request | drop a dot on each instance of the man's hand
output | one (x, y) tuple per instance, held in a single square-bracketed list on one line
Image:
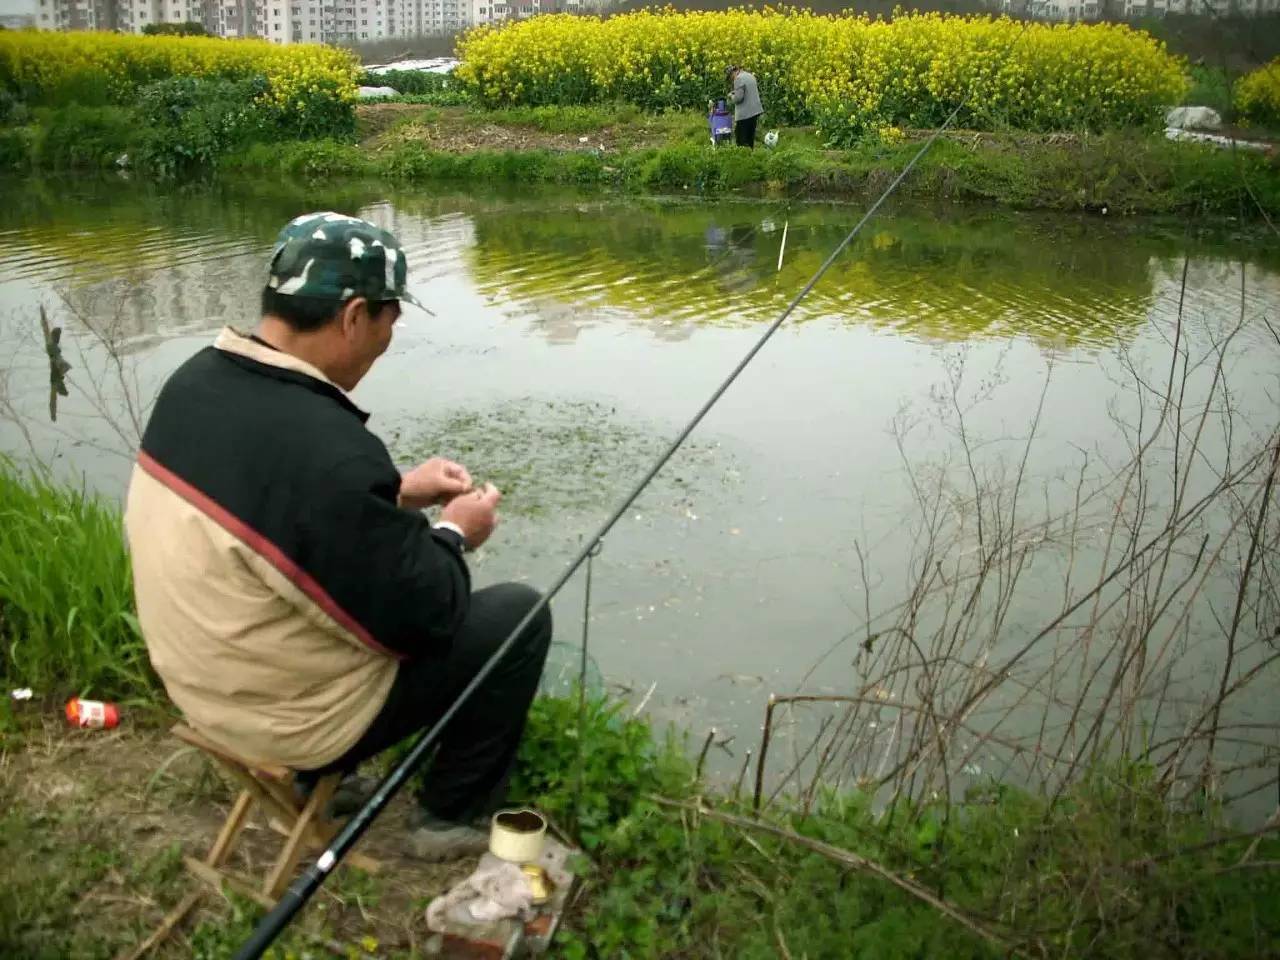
[(436, 481), (475, 514)]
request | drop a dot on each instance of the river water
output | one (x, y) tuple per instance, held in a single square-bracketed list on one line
[(573, 336)]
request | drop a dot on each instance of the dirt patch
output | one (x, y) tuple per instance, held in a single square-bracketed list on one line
[(383, 126), (375, 119), (104, 819), (460, 131)]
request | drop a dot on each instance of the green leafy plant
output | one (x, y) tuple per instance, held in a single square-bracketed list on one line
[(189, 28), (420, 86), (192, 121), (66, 592), (590, 773), (77, 136)]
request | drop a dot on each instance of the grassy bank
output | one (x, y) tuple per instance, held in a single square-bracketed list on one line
[(184, 126), (672, 868), (1121, 173), (66, 593), (1109, 867)]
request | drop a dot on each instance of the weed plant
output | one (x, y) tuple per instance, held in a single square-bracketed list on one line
[(1109, 871), (66, 593), (419, 86)]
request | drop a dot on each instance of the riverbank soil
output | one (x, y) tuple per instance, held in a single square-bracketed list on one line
[(93, 828), (382, 126)]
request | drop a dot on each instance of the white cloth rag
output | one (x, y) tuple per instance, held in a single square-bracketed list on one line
[(497, 889)]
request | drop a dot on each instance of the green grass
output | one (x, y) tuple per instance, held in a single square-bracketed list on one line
[(66, 594), (568, 119), (1125, 174), (66, 856), (1102, 873)]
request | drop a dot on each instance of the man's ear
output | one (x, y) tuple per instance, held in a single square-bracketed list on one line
[(349, 315)]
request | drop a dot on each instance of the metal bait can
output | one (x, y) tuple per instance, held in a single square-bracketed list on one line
[(92, 714)]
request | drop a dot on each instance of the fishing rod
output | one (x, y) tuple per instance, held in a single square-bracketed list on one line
[(309, 881)]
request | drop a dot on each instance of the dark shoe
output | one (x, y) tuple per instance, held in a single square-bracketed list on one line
[(353, 793), (436, 841)]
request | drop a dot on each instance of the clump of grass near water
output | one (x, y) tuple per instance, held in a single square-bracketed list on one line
[(66, 592), (1111, 870)]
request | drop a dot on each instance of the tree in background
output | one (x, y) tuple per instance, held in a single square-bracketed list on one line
[(189, 29)]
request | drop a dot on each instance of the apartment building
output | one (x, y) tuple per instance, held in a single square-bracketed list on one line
[(75, 14), (130, 16), (297, 21), (1071, 10)]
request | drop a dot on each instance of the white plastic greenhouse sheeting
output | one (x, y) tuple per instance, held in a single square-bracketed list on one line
[(435, 65)]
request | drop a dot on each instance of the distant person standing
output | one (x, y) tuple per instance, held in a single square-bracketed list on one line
[(746, 105)]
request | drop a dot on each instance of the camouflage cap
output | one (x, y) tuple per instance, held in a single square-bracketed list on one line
[(333, 256)]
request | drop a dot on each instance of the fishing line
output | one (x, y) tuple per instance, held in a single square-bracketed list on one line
[(305, 886)]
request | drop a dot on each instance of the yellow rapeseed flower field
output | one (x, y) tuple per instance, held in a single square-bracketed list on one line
[(55, 68), (849, 75), (1258, 94)]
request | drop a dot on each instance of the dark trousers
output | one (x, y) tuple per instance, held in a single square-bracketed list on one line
[(469, 774), (744, 132)]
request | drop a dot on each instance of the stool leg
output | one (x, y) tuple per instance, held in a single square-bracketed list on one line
[(230, 831), (279, 876), (221, 848)]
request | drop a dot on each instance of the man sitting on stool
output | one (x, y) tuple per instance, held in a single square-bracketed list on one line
[(298, 605)]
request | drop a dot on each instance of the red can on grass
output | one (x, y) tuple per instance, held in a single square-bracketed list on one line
[(92, 713)]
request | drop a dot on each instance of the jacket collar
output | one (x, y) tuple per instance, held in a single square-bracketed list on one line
[(232, 341)]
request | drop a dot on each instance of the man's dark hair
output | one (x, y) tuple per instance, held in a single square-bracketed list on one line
[(304, 314)]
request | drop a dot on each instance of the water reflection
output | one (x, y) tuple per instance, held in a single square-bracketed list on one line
[(180, 260), (936, 277)]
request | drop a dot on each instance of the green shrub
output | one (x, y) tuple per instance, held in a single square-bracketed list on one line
[(15, 148), (190, 28), (620, 763), (192, 121), (77, 136), (701, 167), (418, 86), (410, 81), (9, 105)]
